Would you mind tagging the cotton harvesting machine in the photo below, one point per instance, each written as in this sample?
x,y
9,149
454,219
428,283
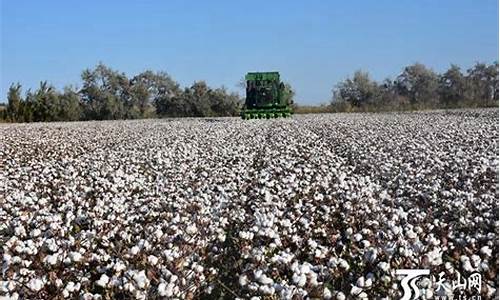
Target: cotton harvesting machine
x,y
266,96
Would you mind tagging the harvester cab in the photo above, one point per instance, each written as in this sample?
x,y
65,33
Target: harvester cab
x,y
266,97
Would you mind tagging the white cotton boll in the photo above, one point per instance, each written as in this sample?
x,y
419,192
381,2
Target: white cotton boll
x,y
36,284
365,243
340,296
65,293
312,244
141,279
243,280
166,290
14,296
265,280
360,282
119,266
158,233
368,282
59,283
344,264
349,232
299,279
305,268
357,237
75,256
221,237
103,281
476,260
356,290
327,294
484,267
7,286
257,274
396,230
266,290
313,278
174,278
129,287
134,250
318,254
467,266
161,289
198,269
191,229
152,260
20,231
384,266
362,295
35,232
448,267
332,262
485,250
52,259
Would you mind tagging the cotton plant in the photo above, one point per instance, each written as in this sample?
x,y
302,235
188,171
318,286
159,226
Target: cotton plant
x,y
318,206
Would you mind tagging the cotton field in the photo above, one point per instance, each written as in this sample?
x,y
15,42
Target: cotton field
x,y
314,206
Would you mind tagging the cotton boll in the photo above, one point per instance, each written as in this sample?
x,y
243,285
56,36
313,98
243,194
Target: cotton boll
x,y
265,280
485,250
35,232
327,294
340,296
243,280
75,256
357,237
191,229
343,264
299,279
360,282
384,266
141,279
51,259
103,281
134,250
356,290
152,260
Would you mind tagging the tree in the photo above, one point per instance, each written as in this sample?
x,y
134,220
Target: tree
x,y
358,91
452,86
14,100
388,97
45,103
154,91
71,106
420,85
483,83
105,93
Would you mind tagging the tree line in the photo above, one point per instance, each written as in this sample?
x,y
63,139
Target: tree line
x,y
107,94
419,87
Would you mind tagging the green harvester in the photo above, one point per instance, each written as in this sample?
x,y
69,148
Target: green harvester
x,y
266,97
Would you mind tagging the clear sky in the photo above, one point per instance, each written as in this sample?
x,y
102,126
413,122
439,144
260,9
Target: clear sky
x,y
313,44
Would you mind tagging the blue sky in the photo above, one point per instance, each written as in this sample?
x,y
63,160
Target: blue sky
x,y
313,44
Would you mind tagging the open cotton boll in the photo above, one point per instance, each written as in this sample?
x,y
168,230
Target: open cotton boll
x,y
36,284
103,280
